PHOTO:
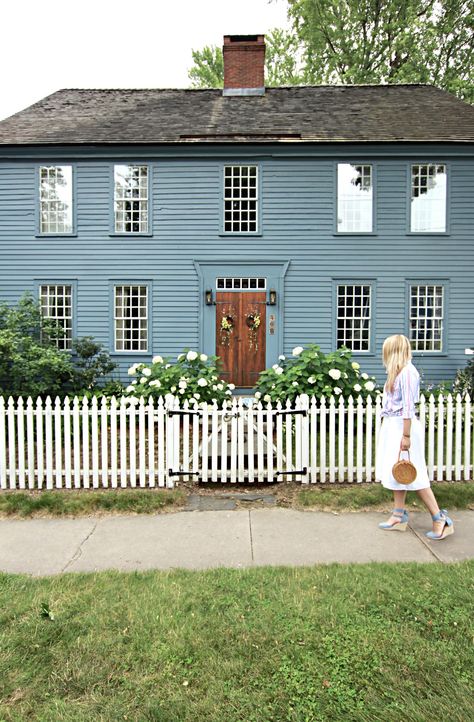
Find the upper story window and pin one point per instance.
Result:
(131, 318)
(241, 199)
(353, 316)
(55, 199)
(428, 198)
(354, 198)
(56, 304)
(131, 198)
(426, 317)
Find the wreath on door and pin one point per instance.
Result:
(226, 327)
(253, 322)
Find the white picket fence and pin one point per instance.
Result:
(118, 443)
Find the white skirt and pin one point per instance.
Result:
(388, 447)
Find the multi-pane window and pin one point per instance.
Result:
(55, 199)
(56, 304)
(240, 199)
(426, 317)
(239, 283)
(131, 198)
(353, 317)
(428, 198)
(131, 318)
(354, 198)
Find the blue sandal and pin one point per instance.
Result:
(447, 528)
(401, 525)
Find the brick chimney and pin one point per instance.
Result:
(244, 61)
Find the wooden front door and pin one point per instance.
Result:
(241, 335)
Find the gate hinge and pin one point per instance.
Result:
(304, 470)
(303, 412)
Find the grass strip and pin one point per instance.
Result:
(320, 644)
(450, 495)
(81, 502)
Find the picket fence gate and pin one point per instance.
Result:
(77, 443)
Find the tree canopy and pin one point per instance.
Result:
(364, 41)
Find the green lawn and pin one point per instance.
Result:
(450, 495)
(339, 497)
(329, 643)
(79, 503)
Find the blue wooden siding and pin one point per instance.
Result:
(297, 225)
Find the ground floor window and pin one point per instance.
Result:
(354, 316)
(56, 304)
(131, 318)
(426, 317)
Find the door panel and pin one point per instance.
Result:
(241, 335)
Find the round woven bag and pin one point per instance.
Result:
(404, 472)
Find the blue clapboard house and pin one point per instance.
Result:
(245, 221)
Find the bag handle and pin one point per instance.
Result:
(401, 452)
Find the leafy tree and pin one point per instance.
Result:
(281, 64)
(364, 41)
(387, 41)
(208, 69)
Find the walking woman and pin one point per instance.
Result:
(402, 430)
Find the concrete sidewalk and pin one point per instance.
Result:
(206, 539)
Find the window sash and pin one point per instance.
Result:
(56, 305)
(241, 199)
(427, 317)
(131, 199)
(354, 198)
(55, 197)
(428, 198)
(131, 318)
(354, 304)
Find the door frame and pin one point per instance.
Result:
(273, 271)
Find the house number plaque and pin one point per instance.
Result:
(272, 324)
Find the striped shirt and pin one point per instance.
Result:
(406, 392)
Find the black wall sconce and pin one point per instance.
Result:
(272, 297)
(208, 296)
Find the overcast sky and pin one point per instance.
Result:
(47, 45)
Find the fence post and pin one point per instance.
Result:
(304, 399)
(458, 440)
(95, 442)
(368, 438)
(467, 439)
(104, 434)
(58, 445)
(341, 439)
(141, 443)
(3, 455)
(20, 417)
(30, 442)
(350, 439)
(67, 442)
(440, 464)
(322, 438)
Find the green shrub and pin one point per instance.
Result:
(310, 371)
(32, 365)
(464, 381)
(91, 364)
(193, 377)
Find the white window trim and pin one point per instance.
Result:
(368, 318)
(144, 318)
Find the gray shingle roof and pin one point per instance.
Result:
(382, 113)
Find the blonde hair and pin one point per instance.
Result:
(396, 353)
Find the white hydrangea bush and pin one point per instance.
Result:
(192, 377)
(310, 371)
